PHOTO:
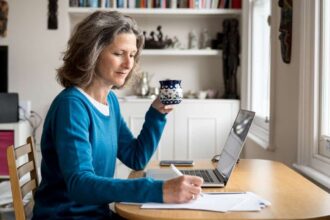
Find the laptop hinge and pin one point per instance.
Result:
(220, 176)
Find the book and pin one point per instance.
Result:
(236, 4)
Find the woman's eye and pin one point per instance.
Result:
(118, 54)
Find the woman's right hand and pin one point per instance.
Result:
(182, 189)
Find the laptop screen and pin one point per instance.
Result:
(235, 142)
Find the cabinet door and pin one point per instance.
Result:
(201, 129)
(134, 114)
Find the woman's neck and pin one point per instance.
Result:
(98, 92)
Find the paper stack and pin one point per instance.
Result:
(219, 202)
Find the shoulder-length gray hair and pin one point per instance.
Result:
(89, 38)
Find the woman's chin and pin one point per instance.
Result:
(119, 83)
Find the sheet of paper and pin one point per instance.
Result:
(217, 202)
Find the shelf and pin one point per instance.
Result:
(173, 52)
(81, 11)
(133, 99)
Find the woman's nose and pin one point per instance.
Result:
(128, 62)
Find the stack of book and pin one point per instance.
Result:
(192, 4)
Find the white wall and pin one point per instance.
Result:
(285, 96)
(35, 51)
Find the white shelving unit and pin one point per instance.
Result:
(199, 69)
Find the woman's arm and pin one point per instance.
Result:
(75, 158)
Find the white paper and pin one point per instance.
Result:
(223, 202)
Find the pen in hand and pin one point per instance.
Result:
(178, 173)
(175, 170)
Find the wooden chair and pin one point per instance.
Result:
(22, 162)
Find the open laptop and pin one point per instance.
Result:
(230, 154)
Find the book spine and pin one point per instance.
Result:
(120, 3)
(236, 4)
(173, 3)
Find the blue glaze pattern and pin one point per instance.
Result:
(170, 92)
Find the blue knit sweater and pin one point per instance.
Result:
(79, 147)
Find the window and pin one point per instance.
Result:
(314, 91)
(324, 144)
(258, 89)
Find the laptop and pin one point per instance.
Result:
(227, 160)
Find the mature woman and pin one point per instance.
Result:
(84, 131)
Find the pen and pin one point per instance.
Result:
(178, 173)
(175, 170)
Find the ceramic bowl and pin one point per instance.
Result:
(170, 92)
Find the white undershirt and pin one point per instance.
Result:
(104, 109)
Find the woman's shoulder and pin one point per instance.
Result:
(68, 95)
(67, 103)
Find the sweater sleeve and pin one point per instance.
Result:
(136, 152)
(71, 132)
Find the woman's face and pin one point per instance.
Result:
(117, 60)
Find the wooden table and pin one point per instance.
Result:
(292, 196)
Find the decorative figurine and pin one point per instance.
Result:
(217, 43)
(286, 29)
(192, 40)
(176, 44)
(160, 34)
(52, 14)
(204, 42)
(159, 43)
(231, 50)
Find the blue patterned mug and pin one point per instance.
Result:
(170, 92)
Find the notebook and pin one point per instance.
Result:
(227, 160)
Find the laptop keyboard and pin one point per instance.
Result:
(201, 173)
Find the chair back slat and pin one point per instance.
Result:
(22, 150)
(17, 172)
(25, 168)
(28, 187)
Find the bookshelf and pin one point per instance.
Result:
(199, 69)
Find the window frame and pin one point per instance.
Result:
(309, 161)
(260, 129)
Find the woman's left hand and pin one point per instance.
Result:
(164, 109)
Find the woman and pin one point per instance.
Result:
(84, 131)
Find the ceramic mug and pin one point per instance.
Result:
(170, 92)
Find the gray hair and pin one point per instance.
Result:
(88, 39)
